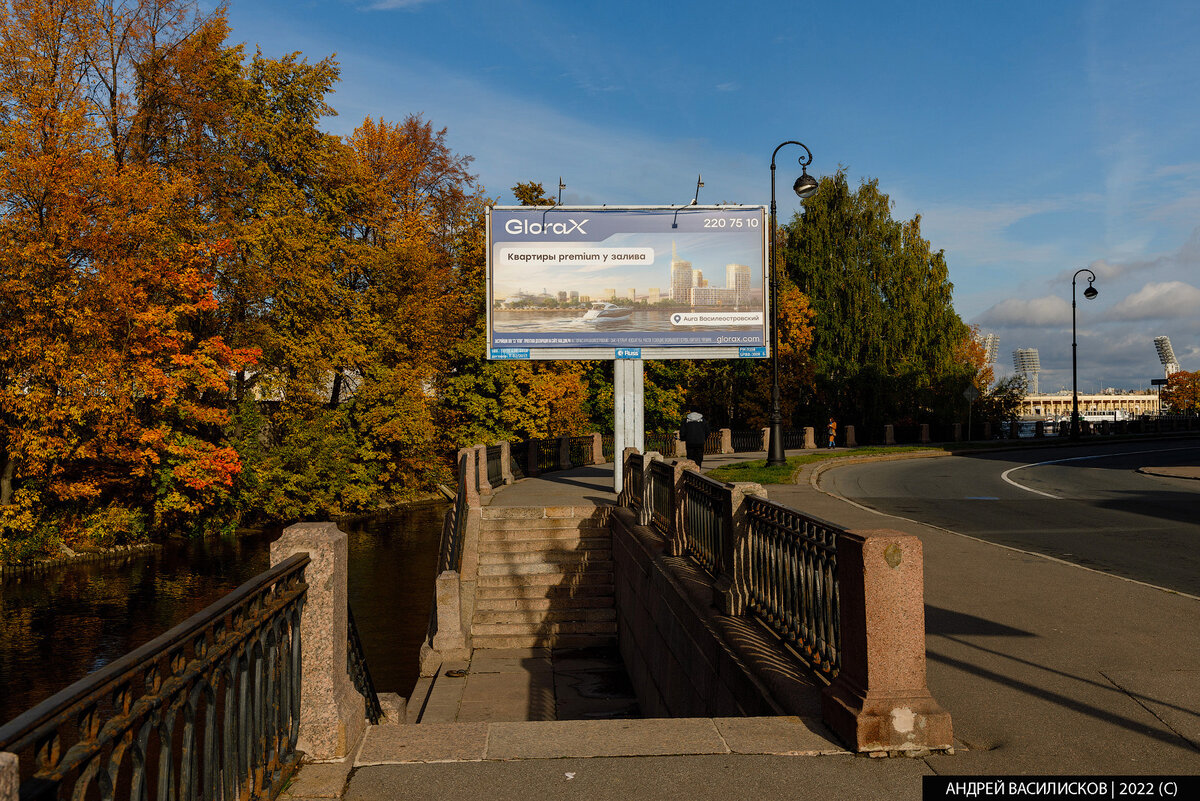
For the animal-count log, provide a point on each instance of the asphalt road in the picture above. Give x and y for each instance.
(1084, 504)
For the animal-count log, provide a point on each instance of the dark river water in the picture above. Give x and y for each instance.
(58, 626)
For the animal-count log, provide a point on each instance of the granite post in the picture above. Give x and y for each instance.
(597, 448)
(332, 713)
(730, 591)
(851, 442)
(889, 434)
(766, 439)
(564, 453)
(958, 432)
(879, 700)
(481, 471)
(924, 435)
(10, 777)
(810, 438)
(506, 473)
(726, 441)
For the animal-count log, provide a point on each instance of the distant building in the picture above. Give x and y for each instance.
(631, 293)
(1059, 406)
(574, 296)
(562, 296)
(585, 298)
(608, 294)
(653, 296)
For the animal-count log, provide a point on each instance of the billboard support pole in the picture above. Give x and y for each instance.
(628, 412)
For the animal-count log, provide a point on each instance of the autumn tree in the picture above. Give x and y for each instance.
(109, 389)
(1182, 392)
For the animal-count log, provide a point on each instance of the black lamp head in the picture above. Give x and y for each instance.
(806, 185)
(1090, 292)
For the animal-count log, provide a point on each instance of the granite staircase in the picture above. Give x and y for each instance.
(545, 578)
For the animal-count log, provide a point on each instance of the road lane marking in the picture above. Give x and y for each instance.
(1008, 480)
(815, 484)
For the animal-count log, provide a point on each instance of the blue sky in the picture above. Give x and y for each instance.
(1034, 138)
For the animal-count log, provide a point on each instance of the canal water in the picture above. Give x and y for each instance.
(58, 626)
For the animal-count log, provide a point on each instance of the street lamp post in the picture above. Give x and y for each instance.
(805, 186)
(1088, 293)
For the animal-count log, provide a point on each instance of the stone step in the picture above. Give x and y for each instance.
(494, 604)
(547, 629)
(593, 515)
(535, 545)
(541, 617)
(525, 591)
(559, 580)
(545, 528)
(481, 642)
(559, 567)
(552, 556)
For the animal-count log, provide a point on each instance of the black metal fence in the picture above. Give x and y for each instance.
(357, 670)
(547, 454)
(793, 438)
(746, 441)
(662, 442)
(454, 524)
(791, 578)
(518, 453)
(662, 494)
(787, 575)
(495, 472)
(608, 446)
(208, 710)
(580, 450)
(705, 516)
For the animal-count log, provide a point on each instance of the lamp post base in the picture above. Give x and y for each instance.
(775, 454)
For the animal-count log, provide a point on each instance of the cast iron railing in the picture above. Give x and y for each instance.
(635, 475)
(705, 516)
(208, 710)
(547, 454)
(713, 443)
(660, 442)
(357, 670)
(744, 441)
(495, 473)
(454, 524)
(791, 578)
(608, 446)
(662, 494)
(518, 458)
(580, 450)
(793, 438)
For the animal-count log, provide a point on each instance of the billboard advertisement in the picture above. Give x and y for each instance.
(579, 282)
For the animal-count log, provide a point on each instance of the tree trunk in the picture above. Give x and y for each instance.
(7, 472)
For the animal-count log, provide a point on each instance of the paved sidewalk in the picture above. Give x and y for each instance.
(1045, 667)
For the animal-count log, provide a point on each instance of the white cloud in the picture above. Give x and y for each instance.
(1037, 313)
(1159, 301)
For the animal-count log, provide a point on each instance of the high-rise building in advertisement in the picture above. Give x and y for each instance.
(681, 278)
(737, 278)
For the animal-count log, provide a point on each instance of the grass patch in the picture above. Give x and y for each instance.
(758, 472)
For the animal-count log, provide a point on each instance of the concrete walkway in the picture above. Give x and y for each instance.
(1046, 668)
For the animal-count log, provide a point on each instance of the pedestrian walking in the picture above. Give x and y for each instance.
(695, 434)
(832, 433)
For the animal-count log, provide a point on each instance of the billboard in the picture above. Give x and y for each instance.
(657, 282)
